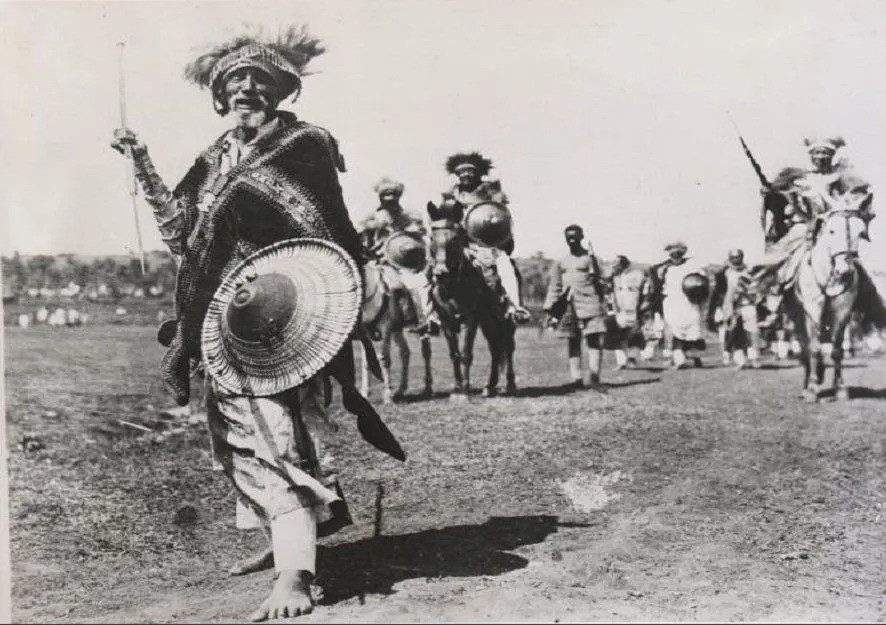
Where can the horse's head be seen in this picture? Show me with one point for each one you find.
(447, 237)
(836, 236)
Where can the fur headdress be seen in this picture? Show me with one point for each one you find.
(481, 164)
(284, 60)
(828, 143)
(388, 184)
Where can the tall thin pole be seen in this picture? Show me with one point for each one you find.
(133, 183)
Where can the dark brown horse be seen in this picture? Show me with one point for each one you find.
(468, 296)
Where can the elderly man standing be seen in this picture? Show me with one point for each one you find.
(269, 179)
(576, 288)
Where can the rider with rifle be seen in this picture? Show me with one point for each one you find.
(795, 202)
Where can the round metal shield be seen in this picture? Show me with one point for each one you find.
(406, 251)
(697, 287)
(488, 223)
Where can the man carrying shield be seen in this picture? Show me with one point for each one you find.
(483, 225)
(267, 297)
(403, 259)
(684, 289)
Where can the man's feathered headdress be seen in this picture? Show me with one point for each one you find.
(387, 184)
(474, 159)
(284, 60)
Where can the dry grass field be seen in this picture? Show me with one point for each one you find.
(704, 494)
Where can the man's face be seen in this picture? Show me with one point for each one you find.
(467, 177)
(573, 238)
(822, 159)
(387, 198)
(677, 253)
(736, 259)
(251, 95)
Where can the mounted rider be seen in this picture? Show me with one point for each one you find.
(402, 258)
(472, 189)
(794, 205)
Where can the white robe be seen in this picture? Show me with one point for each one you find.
(684, 319)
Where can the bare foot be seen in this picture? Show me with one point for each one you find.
(291, 596)
(260, 562)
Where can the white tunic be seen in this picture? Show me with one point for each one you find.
(684, 319)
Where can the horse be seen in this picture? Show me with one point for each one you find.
(383, 317)
(824, 295)
(466, 297)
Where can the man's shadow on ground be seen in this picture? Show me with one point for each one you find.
(375, 565)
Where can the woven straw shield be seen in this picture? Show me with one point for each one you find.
(326, 288)
(405, 251)
(488, 223)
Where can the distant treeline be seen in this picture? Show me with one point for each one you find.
(118, 274)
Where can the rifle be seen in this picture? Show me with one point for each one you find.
(757, 169)
(778, 216)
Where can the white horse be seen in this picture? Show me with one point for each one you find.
(825, 293)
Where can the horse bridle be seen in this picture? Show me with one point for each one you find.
(848, 253)
(449, 227)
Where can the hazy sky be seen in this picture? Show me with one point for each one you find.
(607, 114)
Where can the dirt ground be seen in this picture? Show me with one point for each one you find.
(696, 495)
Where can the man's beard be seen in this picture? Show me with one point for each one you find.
(251, 119)
(251, 112)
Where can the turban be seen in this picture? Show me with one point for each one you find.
(388, 185)
(832, 144)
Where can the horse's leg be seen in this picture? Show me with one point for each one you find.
(403, 347)
(426, 355)
(364, 371)
(510, 348)
(467, 353)
(841, 329)
(815, 361)
(451, 331)
(802, 338)
(493, 337)
(387, 394)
